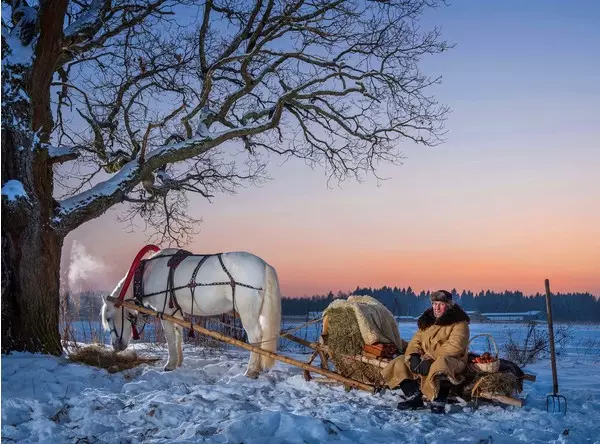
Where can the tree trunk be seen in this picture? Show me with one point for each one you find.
(30, 287)
(31, 243)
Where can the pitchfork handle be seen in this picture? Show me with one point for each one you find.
(551, 332)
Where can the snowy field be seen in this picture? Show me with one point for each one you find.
(47, 399)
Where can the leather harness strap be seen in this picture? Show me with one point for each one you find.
(231, 280)
(173, 263)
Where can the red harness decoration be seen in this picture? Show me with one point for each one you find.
(132, 269)
(135, 333)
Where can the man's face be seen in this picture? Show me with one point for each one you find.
(439, 308)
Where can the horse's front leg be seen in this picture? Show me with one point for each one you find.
(179, 333)
(171, 336)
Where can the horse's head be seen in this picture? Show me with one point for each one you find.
(119, 321)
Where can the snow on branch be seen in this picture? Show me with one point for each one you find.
(109, 188)
(59, 154)
(78, 209)
(19, 39)
(90, 17)
(13, 190)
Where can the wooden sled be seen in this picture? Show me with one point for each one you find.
(322, 351)
(325, 354)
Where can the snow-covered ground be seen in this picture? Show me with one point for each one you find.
(48, 399)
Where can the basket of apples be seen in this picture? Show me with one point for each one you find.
(486, 362)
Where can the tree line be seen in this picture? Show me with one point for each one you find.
(566, 307)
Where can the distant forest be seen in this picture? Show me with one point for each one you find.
(566, 307)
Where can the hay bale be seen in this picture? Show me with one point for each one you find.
(344, 338)
(344, 333)
(103, 357)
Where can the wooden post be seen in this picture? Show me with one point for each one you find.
(249, 347)
(551, 333)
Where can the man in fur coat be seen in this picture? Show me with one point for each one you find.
(437, 355)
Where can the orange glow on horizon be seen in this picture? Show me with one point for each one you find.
(423, 273)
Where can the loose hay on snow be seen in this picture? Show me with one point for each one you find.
(344, 338)
(103, 357)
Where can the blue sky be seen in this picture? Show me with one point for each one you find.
(510, 198)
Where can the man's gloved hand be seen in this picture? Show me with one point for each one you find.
(424, 367)
(414, 362)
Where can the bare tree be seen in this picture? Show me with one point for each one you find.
(143, 101)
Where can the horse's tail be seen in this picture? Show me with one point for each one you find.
(270, 316)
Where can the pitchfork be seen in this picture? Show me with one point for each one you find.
(554, 397)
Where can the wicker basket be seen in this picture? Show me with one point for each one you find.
(486, 367)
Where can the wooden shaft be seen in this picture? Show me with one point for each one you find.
(249, 347)
(313, 345)
(325, 381)
(551, 333)
(503, 399)
(381, 363)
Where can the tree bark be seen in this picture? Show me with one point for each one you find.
(31, 247)
(30, 287)
(31, 241)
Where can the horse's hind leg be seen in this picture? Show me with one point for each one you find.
(254, 337)
(179, 334)
(169, 330)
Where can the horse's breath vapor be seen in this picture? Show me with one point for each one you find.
(84, 269)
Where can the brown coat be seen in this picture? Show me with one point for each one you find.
(445, 340)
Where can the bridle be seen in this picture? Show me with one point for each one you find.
(132, 318)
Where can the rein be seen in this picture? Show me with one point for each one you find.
(133, 320)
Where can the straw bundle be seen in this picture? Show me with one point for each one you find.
(102, 357)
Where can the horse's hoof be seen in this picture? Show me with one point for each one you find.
(168, 368)
(252, 375)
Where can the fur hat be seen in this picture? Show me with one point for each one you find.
(441, 296)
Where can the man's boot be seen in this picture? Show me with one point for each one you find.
(438, 405)
(413, 398)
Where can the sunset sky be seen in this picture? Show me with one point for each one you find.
(511, 198)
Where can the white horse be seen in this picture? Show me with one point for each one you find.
(220, 283)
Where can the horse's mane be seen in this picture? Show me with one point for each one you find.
(116, 291)
(164, 252)
(103, 316)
